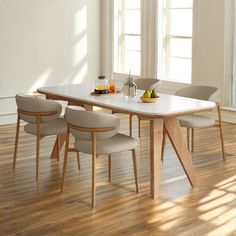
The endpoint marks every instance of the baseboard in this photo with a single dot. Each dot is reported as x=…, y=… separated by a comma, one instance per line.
x=8, y=119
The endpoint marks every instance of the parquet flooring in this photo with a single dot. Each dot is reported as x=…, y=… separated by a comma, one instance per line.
x=31, y=208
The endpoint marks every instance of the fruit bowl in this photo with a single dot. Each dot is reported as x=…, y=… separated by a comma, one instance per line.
x=149, y=100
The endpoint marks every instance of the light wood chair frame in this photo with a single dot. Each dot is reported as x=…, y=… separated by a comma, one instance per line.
x=190, y=135
x=93, y=132
x=37, y=116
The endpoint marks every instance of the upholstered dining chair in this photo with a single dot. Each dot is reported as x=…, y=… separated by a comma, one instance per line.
x=193, y=121
x=143, y=84
x=96, y=133
x=42, y=119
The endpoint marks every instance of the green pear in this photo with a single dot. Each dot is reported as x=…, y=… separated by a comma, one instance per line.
x=147, y=94
x=154, y=94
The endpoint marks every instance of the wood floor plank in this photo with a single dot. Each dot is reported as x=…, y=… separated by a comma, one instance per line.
x=31, y=208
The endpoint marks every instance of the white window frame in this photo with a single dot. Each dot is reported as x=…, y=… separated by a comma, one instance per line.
x=162, y=41
x=121, y=51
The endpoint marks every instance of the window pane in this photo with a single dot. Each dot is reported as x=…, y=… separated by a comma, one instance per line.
x=180, y=47
x=132, y=62
x=179, y=70
x=132, y=43
x=132, y=21
x=132, y=4
x=179, y=3
x=180, y=22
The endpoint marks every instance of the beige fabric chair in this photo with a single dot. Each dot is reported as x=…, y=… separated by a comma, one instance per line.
x=143, y=84
x=42, y=119
x=97, y=134
x=207, y=93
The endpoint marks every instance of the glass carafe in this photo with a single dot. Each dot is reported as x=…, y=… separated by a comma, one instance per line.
x=129, y=88
x=101, y=85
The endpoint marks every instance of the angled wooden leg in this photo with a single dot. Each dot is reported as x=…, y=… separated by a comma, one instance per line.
x=131, y=125
x=221, y=131
x=192, y=140
x=78, y=159
x=16, y=141
x=56, y=148
x=174, y=132
x=156, y=136
x=109, y=168
x=188, y=139
x=65, y=159
x=37, y=146
x=94, y=151
x=135, y=170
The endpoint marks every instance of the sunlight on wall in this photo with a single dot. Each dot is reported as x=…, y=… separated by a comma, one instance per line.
x=81, y=74
x=80, y=51
x=40, y=81
x=80, y=21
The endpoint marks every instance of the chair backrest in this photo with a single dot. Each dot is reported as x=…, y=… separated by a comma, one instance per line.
x=147, y=83
x=201, y=92
x=89, y=119
x=28, y=103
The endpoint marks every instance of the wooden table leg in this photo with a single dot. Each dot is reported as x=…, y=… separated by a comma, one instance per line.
x=156, y=136
x=175, y=135
x=56, y=149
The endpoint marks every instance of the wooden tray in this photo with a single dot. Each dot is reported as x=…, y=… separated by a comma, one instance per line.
x=105, y=94
x=149, y=100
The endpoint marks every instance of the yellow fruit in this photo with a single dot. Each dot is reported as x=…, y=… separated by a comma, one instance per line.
x=147, y=94
x=154, y=94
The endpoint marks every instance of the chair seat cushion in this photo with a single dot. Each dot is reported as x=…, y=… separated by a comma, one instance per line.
x=196, y=121
x=117, y=143
x=54, y=127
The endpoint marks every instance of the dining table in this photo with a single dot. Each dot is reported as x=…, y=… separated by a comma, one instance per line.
x=162, y=115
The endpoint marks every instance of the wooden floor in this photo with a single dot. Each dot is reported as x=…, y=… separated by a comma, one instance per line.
x=31, y=208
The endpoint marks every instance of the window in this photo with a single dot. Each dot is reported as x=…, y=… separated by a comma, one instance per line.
x=175, y=20
x=127, y=36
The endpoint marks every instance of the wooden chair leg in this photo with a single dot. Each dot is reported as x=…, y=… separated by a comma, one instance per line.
x=163, y=145
x=188, y=139
x=65, y=160
x=221, y=131
x=58, y=147
x=37, y=147
x=192, y=140
x=131, y=125
x=109, y=168
x=16, y=141
x=94, y=169
x=78, y=160
x=135, y=170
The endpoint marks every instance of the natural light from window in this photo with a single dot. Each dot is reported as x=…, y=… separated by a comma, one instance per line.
x=127, y=36
x=175, y=40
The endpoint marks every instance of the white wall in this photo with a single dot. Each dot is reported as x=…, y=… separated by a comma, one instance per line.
x=209, y=42
x=45, y=43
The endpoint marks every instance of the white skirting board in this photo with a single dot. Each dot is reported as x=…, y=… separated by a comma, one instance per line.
x=8, y=119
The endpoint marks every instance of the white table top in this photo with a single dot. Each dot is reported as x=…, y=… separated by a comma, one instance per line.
x=167, y=105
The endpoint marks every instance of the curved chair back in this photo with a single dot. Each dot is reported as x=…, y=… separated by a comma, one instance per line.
x=146, y=83
x=91, y=120
x=32, y=105
x=201, y=92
